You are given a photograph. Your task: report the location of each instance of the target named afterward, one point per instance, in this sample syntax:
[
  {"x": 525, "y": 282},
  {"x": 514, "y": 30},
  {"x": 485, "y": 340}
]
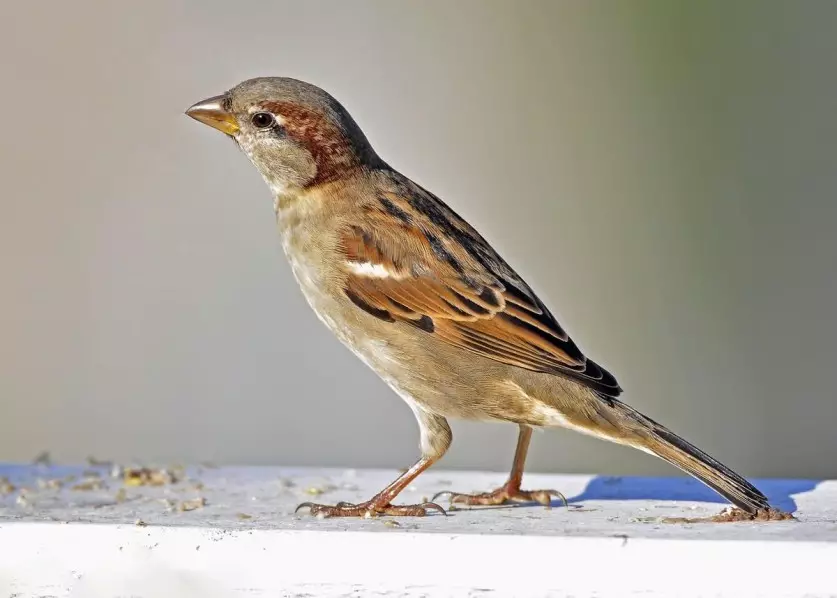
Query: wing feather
[{"x": 414, "y": 260}]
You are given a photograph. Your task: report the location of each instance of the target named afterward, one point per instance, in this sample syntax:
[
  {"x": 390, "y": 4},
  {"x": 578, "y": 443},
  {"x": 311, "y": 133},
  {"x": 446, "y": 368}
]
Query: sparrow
[{"x": 425, "y": 301}]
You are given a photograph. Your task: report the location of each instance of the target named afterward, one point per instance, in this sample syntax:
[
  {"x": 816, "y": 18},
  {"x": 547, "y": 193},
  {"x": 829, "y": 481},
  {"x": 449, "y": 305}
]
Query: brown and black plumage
[{"x": 424, "y": 300}]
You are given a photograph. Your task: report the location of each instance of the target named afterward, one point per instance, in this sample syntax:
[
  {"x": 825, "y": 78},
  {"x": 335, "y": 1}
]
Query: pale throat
[
  {"x": 286, "y": 195},
  {"x": 295, "y": 210},
  {"x": 285, "y": 192},
  {"x": 279, "y": 190}
]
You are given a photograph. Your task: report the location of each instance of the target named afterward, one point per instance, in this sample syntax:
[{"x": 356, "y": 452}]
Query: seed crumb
[
  {"x": 6, "y": 487},
  {"x": 734, "y": 514},
  {"x": 88, "y": 485},
  {"x": 145, "y": 476},
  {"x": 191, "y": 505},
  {"x": 50, "y": 484},
  {"x": 317, "y": 490}
]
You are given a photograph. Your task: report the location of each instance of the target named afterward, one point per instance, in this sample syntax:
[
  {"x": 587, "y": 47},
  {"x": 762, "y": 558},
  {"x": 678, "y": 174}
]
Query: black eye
[{"x": 263, "y": 120}]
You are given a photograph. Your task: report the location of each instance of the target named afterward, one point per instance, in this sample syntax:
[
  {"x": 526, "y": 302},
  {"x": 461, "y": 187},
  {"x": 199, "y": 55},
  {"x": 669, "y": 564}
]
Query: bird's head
[{"x": 296, "y": 134}]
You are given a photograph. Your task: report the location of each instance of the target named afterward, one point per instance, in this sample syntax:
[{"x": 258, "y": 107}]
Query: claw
[
  {"x": 433, "y": 505},
  {"x": 557, "y": 495},
  {"x": 442, "y": 493},
  {"x": 305, "y": 505}
]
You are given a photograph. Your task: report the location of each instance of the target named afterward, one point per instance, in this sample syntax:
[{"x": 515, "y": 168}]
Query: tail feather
[{"x": 670, "y": 447}]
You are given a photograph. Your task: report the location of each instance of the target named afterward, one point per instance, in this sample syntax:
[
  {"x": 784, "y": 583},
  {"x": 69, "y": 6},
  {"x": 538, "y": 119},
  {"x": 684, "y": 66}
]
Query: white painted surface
[{"x": 611, "y": 541}]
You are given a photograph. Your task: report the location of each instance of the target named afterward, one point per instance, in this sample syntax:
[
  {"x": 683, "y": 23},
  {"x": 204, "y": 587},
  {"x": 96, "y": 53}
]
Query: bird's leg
[
  {"x": 435, "y": 440},
  {"x": 510, "y": 491},
  {"x": 381, "y": 503}
]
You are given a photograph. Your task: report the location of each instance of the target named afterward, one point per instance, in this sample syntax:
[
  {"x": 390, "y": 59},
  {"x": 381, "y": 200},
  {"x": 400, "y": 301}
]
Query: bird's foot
[
  {"x": 369, "y": 509},
  {"x": 503, "y": 495}
]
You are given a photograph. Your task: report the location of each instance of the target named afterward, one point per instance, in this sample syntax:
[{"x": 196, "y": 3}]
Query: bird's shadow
[{"x": 779, "y": 492}]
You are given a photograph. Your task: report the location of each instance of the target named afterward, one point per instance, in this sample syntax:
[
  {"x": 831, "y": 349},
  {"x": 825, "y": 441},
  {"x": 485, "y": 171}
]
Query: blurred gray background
[{"x": 662, "y": 173}]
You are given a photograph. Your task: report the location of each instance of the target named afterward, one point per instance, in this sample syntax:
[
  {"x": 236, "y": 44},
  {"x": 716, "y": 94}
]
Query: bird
[{"x": 426, "y": 302}]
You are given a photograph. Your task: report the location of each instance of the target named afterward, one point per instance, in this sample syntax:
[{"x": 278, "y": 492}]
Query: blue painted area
[
  {"x": 780, "y": 493},
  {"x": 16, "y": 472}
]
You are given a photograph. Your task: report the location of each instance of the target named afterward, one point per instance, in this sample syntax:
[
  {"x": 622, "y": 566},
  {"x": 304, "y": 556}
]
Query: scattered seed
[
  {"x": 50, "y": 484},
  {"x": 191, "y": 505},
  {"x": 317, "y": 490},
  {"x": 6, "y": 487},
  {"x": 144, "y": 476},
  {"x": 88, "y": 485}
]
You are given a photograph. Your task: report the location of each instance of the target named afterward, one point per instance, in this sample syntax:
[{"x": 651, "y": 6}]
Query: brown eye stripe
[{"x": 330, "y": 148}]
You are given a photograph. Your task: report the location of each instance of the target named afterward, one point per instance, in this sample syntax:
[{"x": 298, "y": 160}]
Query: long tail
[{"x": 665, "y": 444}]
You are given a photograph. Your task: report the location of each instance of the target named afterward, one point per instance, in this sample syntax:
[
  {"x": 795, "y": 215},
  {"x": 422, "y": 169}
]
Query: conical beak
[{"x": 213, "y": 113}]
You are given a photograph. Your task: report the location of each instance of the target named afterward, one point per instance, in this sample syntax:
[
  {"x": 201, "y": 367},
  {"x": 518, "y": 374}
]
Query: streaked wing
[{"x": 414, "y": 260}]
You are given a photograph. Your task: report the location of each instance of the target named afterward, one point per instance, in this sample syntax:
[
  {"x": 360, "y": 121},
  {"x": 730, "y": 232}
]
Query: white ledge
[{"x": 613, "y": 539}]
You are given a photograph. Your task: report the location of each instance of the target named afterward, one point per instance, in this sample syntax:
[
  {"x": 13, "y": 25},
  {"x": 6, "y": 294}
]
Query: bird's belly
[
  {"x": 422, "y": 370},
  {"x": 337, "y": 313},
  {"x": 312, "y": 283},
  {"x": 373, "y": 341}
]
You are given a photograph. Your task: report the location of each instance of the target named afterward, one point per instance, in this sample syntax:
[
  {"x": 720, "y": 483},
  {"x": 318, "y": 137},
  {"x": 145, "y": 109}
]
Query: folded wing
[{"x": 413, "y": 260}]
